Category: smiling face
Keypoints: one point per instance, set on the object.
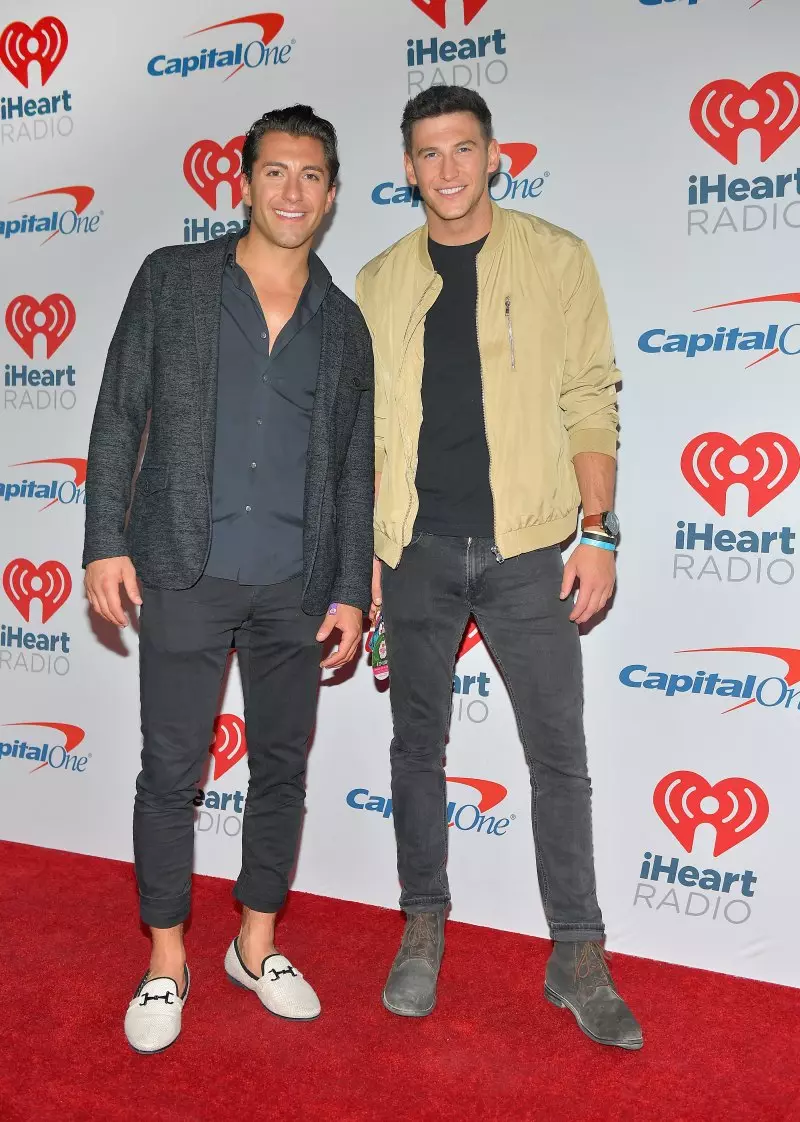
(289, 192)
(451, 162)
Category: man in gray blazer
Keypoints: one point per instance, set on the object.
(252, 517)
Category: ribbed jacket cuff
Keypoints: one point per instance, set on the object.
(593, 440)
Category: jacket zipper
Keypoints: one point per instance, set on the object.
(510, 328)
(499, 558)
(409, 483)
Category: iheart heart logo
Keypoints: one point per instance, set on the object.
(471, 639)
(45, 43)
(725, 108)
(736, 808)
(50, 583)
(437, 9)
(766, 464)
(229, 744)
(53, 317)
(207, 164)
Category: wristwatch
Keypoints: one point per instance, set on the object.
(606, 523)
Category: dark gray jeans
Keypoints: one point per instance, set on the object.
(184, 643)
(427, 601)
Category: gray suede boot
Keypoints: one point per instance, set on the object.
(578, 979)
(410, 989)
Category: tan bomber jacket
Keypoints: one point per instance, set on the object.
(547, 367)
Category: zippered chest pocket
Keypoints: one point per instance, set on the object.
(510, 332)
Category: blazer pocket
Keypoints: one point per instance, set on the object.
(152, 478)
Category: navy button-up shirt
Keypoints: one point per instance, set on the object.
(264, 405)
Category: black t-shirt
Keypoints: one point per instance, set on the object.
(453, 462)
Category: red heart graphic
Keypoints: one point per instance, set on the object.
(717, 118)
(773, 463)
(742, 808)
(45, 43)
(229, 744)
(437, 10)
(202, 171)
(52, 589)
(59, 320)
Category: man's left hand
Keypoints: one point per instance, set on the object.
(349, 622)
(596, 570)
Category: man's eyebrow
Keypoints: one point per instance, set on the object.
(280, 164)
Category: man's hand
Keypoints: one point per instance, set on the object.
(596, 569)
(349, 622)
(102, 583)
(377, 597)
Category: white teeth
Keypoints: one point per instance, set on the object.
(450, 190)
(290, 213)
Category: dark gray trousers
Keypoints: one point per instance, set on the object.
(184, 643)
(427, 601)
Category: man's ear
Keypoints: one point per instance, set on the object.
(411, 175)
(244, 185)
(330, 198)
(494, 156)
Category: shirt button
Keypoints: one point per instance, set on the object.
(258, 421)
(248, 509)
(254, 464)
(263, 334)
(263, 377)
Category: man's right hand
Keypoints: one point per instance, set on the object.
(102, 582)
(377, 598)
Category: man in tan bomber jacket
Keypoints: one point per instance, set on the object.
(495, 418)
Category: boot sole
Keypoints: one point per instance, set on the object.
(402, 1012)
(562, 1003)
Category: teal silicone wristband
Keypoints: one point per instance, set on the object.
(599, 545)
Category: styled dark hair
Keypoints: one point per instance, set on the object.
(437, 100)
(296, 120)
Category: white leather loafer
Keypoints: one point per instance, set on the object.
(153, 1019)
(282, 989)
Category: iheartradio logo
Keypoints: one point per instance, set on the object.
(50, 583)
(437, 9)
(766, 464)
(229, 744)
(45, 43)
(736, 808)
(53, 318)
(725, 108)
(207, 164)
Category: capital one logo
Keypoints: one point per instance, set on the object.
(722, 110)
(55, 755)
(45, 43)
(766, 464)
(736, 808)
(437, 9)
(229, 744)
(53, 318)
(207, 164)
(50, 583)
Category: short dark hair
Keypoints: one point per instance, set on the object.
(438, 100)
(296, 120)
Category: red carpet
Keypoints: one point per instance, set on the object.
(716, 1048)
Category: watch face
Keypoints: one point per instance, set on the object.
(611, 523)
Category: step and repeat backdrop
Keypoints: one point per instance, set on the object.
(665, 133)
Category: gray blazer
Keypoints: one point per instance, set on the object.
(163, 360)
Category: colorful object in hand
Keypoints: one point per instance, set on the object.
(377, 650)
